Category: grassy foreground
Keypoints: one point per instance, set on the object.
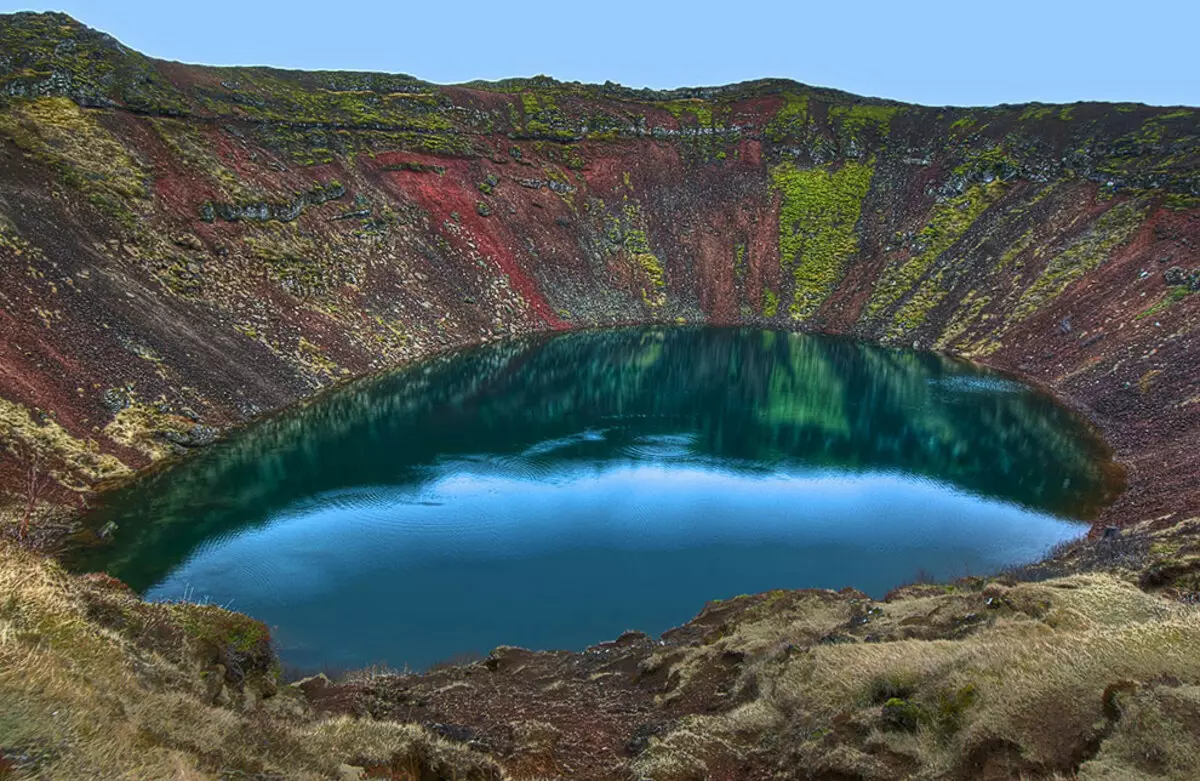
(96, 684)
(1087, 675)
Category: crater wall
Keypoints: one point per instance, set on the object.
(187, 248)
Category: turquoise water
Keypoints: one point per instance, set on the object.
(553, 492)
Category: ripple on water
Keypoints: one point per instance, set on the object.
(978, 385)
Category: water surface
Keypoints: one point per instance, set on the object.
(553, 492)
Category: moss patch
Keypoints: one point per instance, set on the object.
(1086, 253)
(73, 463)
(947, 224)
(819, 209)
(86, 156)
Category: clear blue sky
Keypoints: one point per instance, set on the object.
(936, 52)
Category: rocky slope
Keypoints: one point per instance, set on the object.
(185, 248)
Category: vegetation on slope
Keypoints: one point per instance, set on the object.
(96, 683)
(1083, 677)
(818, 215)
(188, 247)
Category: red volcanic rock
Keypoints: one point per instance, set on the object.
(185, 248)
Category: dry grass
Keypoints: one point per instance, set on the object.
(1081, 677)
(1086, 675)
(75, 463)
(97, 684)
(86, 155)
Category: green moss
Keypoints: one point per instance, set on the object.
(902, 715)
(913, 312)
(770, 303)
(529, 103)
(415, 167)
(1037, 112)
(964, 316)
(994, 161)
(543, 118)
(819, 209)
(1181, 201)
(625, 233)
(572, 158)
(791, 121)
(221, 628)
(489, 184)
(1172, 296)
(44, 52)
(697, 111)
(326, 100)
(949, 221)
(853, 120)
(1085, 254)
(1019, 246)
(86, 156)
(962, 124)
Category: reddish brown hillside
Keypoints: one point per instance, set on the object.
(186, 248)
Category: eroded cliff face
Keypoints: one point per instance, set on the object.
(185, 248)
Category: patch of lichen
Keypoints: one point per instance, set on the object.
(704, 131)
(146, 426)
(770, 306)
(297, 263)
(367, 101)
(1156, 155)
(913, 312)
(1086, 253)
(862, 122)
(967, 313)
(949, 221)
(695, 111)
(194, 150)
(1181, 201)
(541, 117)
(17, 246)
(1036, 111)
(85, 155)
(308, 145)
(1014, 251)
(52, 54)
(73, 463)
(791, 121)
(625, 233)
(984, 165)
(1173, 296)
(313, 356)
(819, 209)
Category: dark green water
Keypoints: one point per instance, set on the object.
(553, 492)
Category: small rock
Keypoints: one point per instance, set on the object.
(350, 772)
(188, 241)
(313, 684)
(631, 637)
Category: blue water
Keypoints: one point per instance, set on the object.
(552, 493)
